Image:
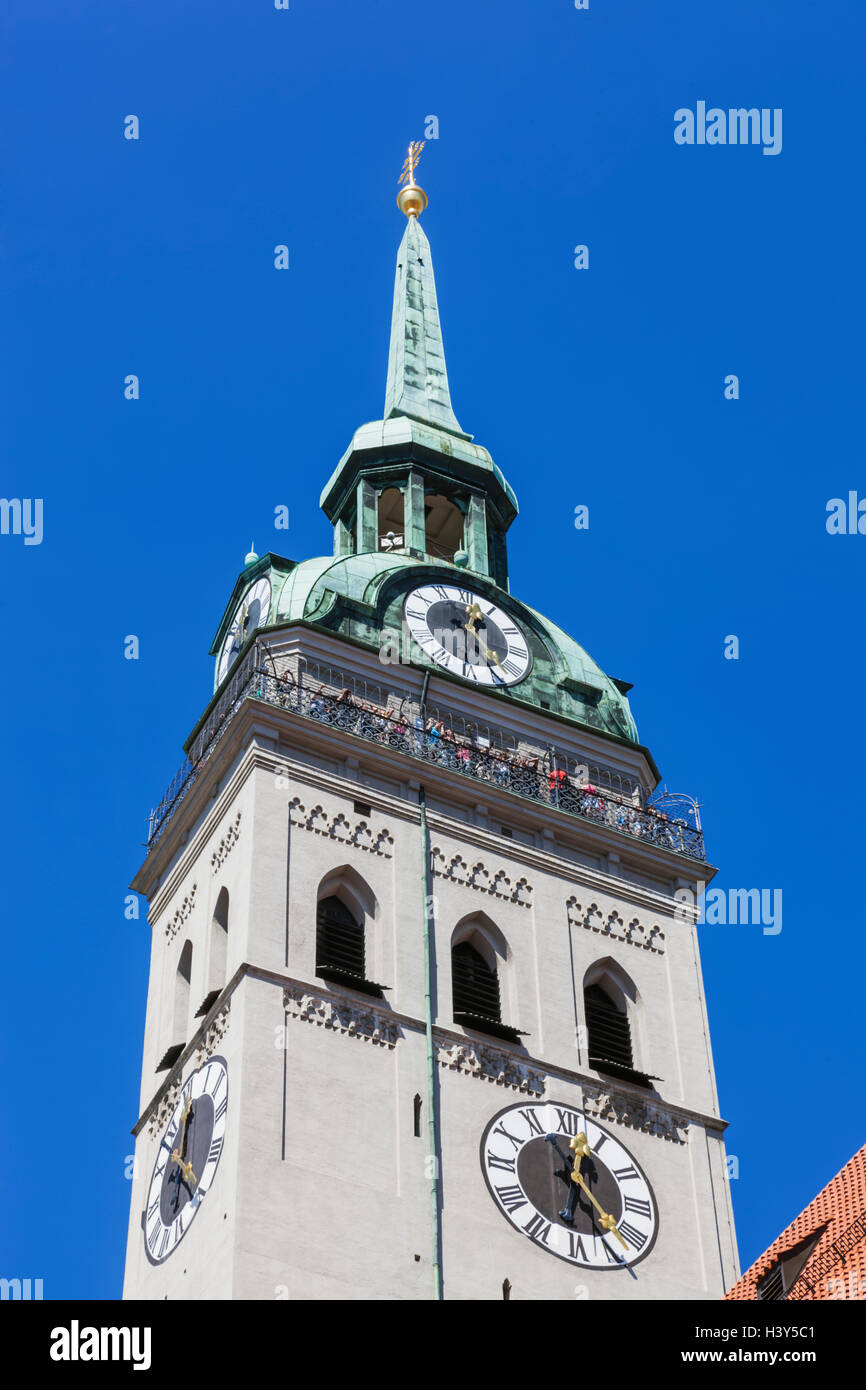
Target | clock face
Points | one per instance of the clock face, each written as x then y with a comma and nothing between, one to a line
607,1221
187,1160
467,635
251,613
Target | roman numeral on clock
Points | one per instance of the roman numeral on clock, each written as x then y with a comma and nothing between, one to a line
215,1150
511,1197
538,1228
623,1174
576,1247
569,1123
500,1129
154,1236
633,1237
638,1206
494,1161
532,1120
221,1110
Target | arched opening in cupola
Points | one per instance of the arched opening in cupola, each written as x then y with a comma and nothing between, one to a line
443,526
391,519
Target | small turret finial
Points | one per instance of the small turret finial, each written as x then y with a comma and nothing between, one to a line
411,200
251,558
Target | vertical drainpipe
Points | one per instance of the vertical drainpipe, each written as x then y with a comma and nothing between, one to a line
428,1014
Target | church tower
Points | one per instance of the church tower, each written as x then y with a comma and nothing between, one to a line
425,1015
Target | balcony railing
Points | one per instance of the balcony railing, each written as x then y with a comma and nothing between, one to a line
538,775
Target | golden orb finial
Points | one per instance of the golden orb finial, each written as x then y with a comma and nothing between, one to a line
411,200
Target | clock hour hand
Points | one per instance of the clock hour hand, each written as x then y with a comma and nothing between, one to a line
185,1167
567,1214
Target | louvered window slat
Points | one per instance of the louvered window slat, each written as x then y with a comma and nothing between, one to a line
339,939
607,1027
475,985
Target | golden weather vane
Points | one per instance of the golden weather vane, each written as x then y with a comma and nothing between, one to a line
410,163
411,200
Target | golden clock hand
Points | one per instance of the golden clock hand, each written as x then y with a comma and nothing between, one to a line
473,617
607,1221
579,1146
184,1118
185,1167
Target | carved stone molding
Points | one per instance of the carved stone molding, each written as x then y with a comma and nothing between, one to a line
176,921
226,844
490,1064
613,926
645,1115
160,1117
341,829
496,883
214,1035
369,1024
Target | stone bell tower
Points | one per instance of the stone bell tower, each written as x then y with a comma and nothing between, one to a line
425,1017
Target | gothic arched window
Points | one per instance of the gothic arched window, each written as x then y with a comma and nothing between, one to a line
219,937
608,1029
609,1034
180,1014
340,947
475,993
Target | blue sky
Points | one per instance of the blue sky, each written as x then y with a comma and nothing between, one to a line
602,387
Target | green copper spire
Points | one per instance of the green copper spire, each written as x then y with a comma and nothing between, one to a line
417,379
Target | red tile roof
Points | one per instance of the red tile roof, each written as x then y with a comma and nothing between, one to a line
841,1207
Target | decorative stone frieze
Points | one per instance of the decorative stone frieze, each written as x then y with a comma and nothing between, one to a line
634,932
161,1115
495,884
341,829
226,844
176,921
367,1023
490,1064
645,1115
214,1035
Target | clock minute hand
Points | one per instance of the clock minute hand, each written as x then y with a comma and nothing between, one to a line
607,1220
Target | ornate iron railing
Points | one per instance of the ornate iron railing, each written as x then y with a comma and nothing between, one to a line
539,775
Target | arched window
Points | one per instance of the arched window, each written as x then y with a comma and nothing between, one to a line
475,984
443,526
180,1015
609,1000
219,936
340,946
390,518
475,988
608,1029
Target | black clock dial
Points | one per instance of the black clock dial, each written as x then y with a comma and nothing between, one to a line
461,631
467,634
187,1158
607,1220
